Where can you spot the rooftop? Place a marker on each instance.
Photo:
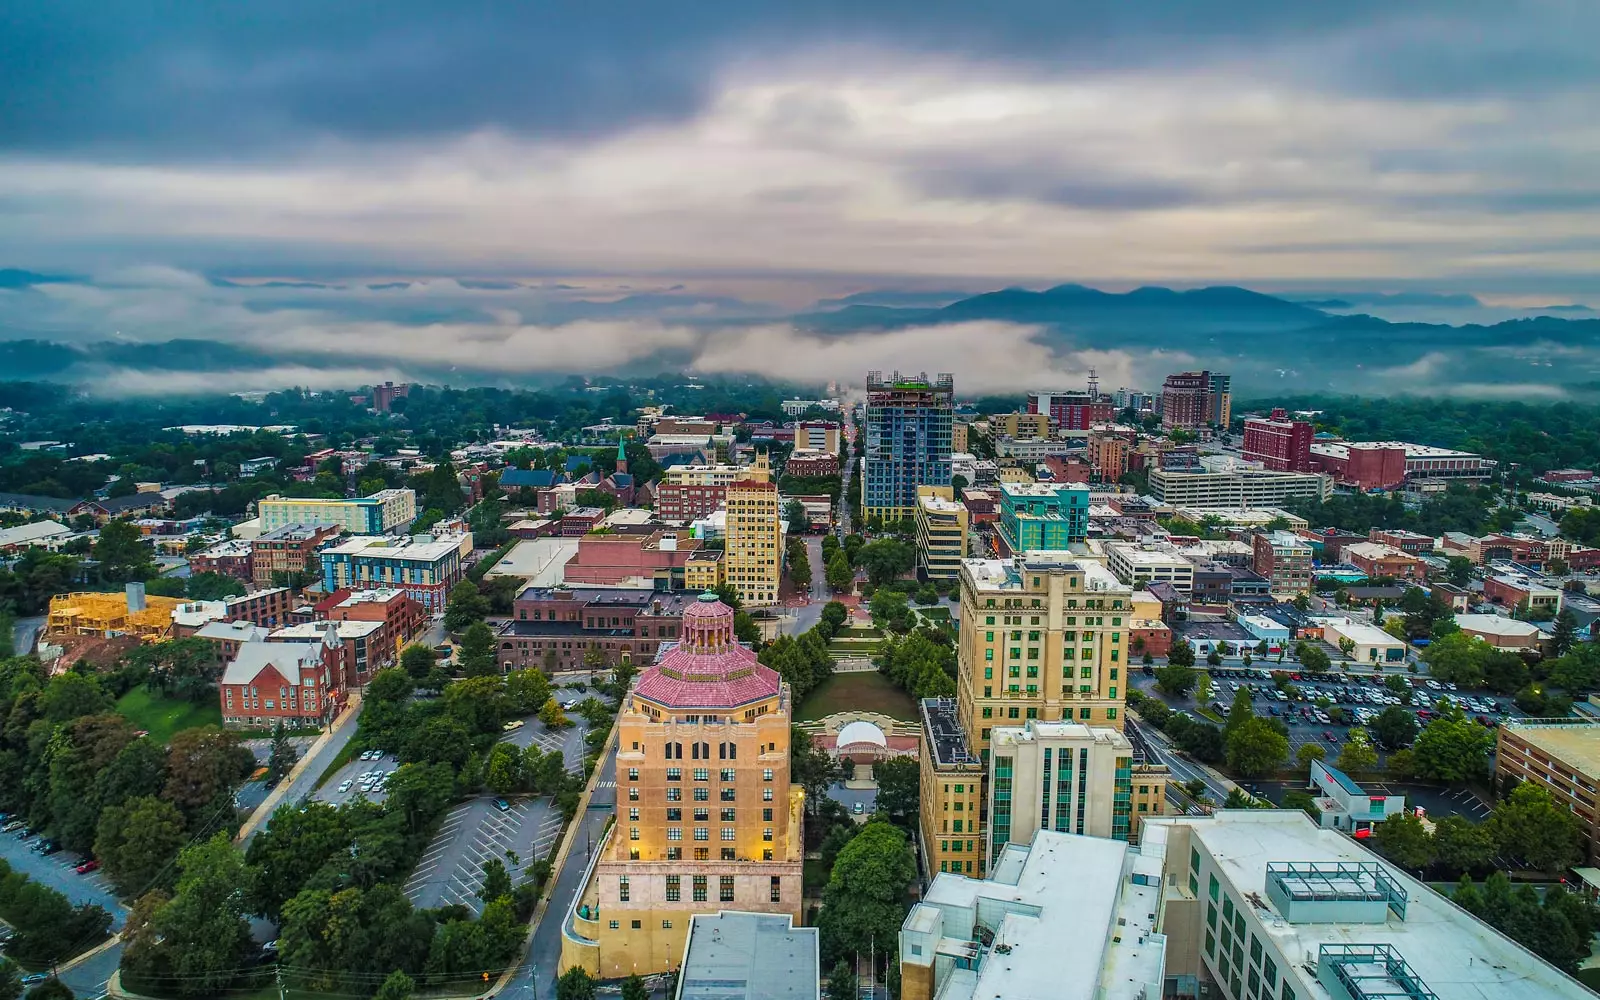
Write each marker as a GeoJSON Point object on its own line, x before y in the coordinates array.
{"type": "Point", "coordinates": [426, 548]}
{"type": "Point", "coordinates": [1043, 489]}
{"type": "Point", "coordinates": [1001, 574]}
{"type": "Point", "coordinates": [1574, 742]}
{"type": "Point", "coordinates": [293, 533]}
{"type": "Point", "coordinates": [945, 737]}
{"type": "Point", "coordinates": [1136, 554]}
{"type": "Point", "coordinates": [749, 956]}
{"type": "Point", "coordinates": [38, 531]}
{"type": "Point", "coordinates": [1496, 625]}
{"type": "Point", "coordinates": [309, 631]}
{"type": "Point", "coordinates": [1447, 949]}
{"type": "Point", "coordinates": [540, 561]}
{"type": "Point", "coordinates": [288, 657]}
{"type": "Point", "coordinates": [1341, 449]}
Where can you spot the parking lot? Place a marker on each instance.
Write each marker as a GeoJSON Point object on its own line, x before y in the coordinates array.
{"type": "Point", "coordinates": [56, 871]}
{"type": "Point", "coordinates": [1356, 695]}
{"type": "Point", "coordinates": [346, 784]}
{"type": "Point", "coordinates": [475, 831]}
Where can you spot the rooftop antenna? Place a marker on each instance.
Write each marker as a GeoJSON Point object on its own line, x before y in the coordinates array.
{"type": "Point", "coordinates": [1094, 385]}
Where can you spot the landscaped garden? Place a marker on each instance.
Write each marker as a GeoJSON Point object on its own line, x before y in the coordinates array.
{"type": "Point", "coordinates": [857, 691]}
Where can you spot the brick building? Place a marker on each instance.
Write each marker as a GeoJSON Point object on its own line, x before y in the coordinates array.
{"type": "Point", "coordinates": [366, 649]}
{"type": "Point", "coordinates": [1278, 443]}
{"type": "Point", "coordinates": [680, 503]}
{"type": "Point", "coordinates": [230, 558]}
{"type": "Point", "coordinates": [1385, 561]}
{"type": "Point", "coordinates": [1072, 411]}
{"type": "Point", "coordinates": [1410, 542]}
{"type": "Point", "coordinates": [812, 463]}
{"type": "Point", "coordinates": [1284, 559]}
{"type": "Point", "coordinates": [289, 549]}
{"type": "Point", "coordinates": [622, 555]}
{"type": "Point", "coordinates": [568, 621]}
{"type": "Point", "coordinates": [290, 681]}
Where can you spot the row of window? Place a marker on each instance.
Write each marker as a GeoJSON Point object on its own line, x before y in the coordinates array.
{"type": "Point", "coordinates": [700, 773]}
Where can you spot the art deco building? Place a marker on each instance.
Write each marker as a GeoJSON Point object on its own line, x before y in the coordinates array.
{"type": "Point", "coordinates": [706, 818]}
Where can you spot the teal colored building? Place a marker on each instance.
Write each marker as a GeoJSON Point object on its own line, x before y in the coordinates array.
{"type": "Point", "coordinates": [1043, 515]}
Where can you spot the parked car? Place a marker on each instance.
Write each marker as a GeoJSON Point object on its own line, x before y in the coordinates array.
{"type": "Point", "coordinates": [513, 725]}
{"type": "Point", "coordinates": [87, 867]}
{"type": "Point", "coordinates": [34, 977]}
{"type": "Point", "coordinates": [344, 786]}
{"type": "Point", "coordinates": [49, 847]}
{"type": "Point", "coordinates": [502, 805]}
{"type": "Point", "coordinates": [15, 824]}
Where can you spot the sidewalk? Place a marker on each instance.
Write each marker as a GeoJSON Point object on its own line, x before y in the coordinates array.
{"type": "Point", "coordinates": [300, 771]}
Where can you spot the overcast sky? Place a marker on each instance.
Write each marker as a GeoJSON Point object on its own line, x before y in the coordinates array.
{"type": "Point", "coordinates": [787, 150]}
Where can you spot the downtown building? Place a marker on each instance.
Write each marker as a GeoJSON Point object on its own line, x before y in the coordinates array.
{"type": "Point", "coordinates": [1041, 641]}
{"type": "Point", "coordinates": [1072, 411]}
{"type": "Point", "coordinates": [753, 548]}
{"type": "Point", "coordinates": [908, 441]}
{"type": "Point", "coordinates": [1278, 443]}
{"type": "Point", "coordinates": [706, 817]}
{"type": "Point", "coordinates": [382, 512]}
{"type": "Point", "coordinates": [1191, 400]}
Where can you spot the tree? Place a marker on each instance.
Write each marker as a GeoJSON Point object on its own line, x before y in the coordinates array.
{"type": "Point", "coordinates": [1452, 748]}
{"type": "Point", "coordinates": [1296, 798]}
{"type": "Point", "coordinates": [1459, 659]}
{"type": "Point", "coordinates": [1175, 679]}
{"type": "Point", "coordinates": [465, 606]}
{"type": "Point", "coordinates": [477, 651]}
{"type": "Point", "coordinates": [1395, 727]}
{"type": "Point", "coordinates": [842, 982]}
{"type": "Point", "coordinates": [398, 986]}
{"type": "Point", "coordinates": [810, 767]}
{"type": "Point", "coordinates": [50, 989]}
{"type": "Point", "coordinates": [552, 716]}
{"type": "Point", "coordinates": [835, 614]}
{"type": "Point", "coordinates": [863, 901]}
{"type": "Point", "coordinates": [1202, 689]}
{"type": "Point", "coordinates": [899, 788]}
{"type": "Point", "coordinates": [839, 573]}
{"type": "Point", "coordinates": [122, 553]}
{"type": "Point", "coordinates": [1307, 753]}
{"type": "Point", "coordinates": [1402, 839]}
{"type": "Point", "coordinates": [1255, 748]}
{"type": "Point", "coordinates": [1358, 754]}
{"type": "Point", "coordinates": [1528, 824]}
{"type": "Point", "coordinates": [283, 756]}
{"type": "Point", "coordinates": [575, 984]}
{"type": "Point", "coordinates": [10, 980]}
{"type": "Point", "coordinates": [886, 559]}
{"type": "Point", "coordinates": [417, 661]}
{"type": "Point", "coordinates": [1565, 634]}
{"type": "Point", "coordinates": [204, 930]}
{"type": "Point", "coordinates": [1181, 654]}
{"type": "Point", "coordinates": [496, 882]}
{"type": "Point", "coordinates": [1462, 845]}
{"type": "Point", "coordinates": [1240, 712]}
{"type": "Point", "coordinates": [1460, 570]}
{"type": "Point", "coordinates": [795, 514]}
{"type": "Point", "coordinates": [1313, 658]}
{"type": "Point", "coordinates": [204, 767]}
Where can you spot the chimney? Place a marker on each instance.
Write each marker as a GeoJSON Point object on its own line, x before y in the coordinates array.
{"type": "Point", "coordinates": [135, 597]}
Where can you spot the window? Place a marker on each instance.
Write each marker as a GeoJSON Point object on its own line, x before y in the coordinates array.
{"type": "Point", "coordinates": [666, 925]}
{"type": "Point", "coordinates": [1211, 887]}
{"type": "Point", "coordinates": [622, 888]}
{"type": "Point", "coordinates": [728, 794]}
{"type": "Point", "coordinates": [766, 795]}
{"type": "Point", "coordinates": [766, 775]}
{"type": "Point", "coordinates": [699, 888]}
{"type": "Point", "coordinates": [633, 774]}
{"type": "Point", "coordinates": [636, 924]}
{"type": "Point", "coordinates": [702, 774]}
{"type": "Point", "coordinates": [727, 833]}
{"type": "Point", "coordinates": [674, 795]}
{"type": "Point", "coordinates": [633, 815]}
{"type": "Point", "coordinates": [701, 833]}
{"type": "Point", "coordinates": [633, 794]}
{"type": "Point", "coordinates": [776, 893]}
{"type": "Point", "coordinates": [702, 815]}
{"type": "Point", "coordinates": [766, 835]}
{"type": "Point", "coordinates": [725, 888]}
{"type": "Point", "coordinates": [702, 795]}
{"type": "Point", "coordinates": [727, 774]}
{"type": "Point", "coordinates": [674, 774]}
{"type": "Point", "coordinates": [633, 833]}
{"type": "Point", "coordinates": [674, 815]}
{"type": "Point", "coordinates": [615, 925]}
{"type": "Point", "coordinates": [674, 833]}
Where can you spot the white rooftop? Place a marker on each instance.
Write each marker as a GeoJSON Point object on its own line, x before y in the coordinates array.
{"type": "Point", "coordinates": [1341, 449]}
{"type": "Point", "coordinates": [232, 631]}
{"type": "Point", "coordinates": [1136, 554]}
{"type": "Point", "coordinates": [939, 505]}
{"type": "Point", "coordinates": [39, 531]}
{"type": "Point", "coordinates": [1042, 489]}
{"type": "Point", "coordinates": [1374, 550]}
{"type": "Point", "coordinates": [287, 657]}
{"type": "Point", "coordinates": [423, 548]}
{"type": "Point", "coordinates": [540, 561]}
{"type": "Point", "coordinates": [308, 631]}
{"type": "Point", "coordinates": [382, 595]}
{"type": "Point", "coordinates": [1496, 625]}
{"type": "Point", "coordinates": [749, 956]}
{"type": "Point", "coordinates": [1455, 955]}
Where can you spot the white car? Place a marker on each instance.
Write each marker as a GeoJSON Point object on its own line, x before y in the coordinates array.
{"type": "Point", "coordinates": [344, 786]}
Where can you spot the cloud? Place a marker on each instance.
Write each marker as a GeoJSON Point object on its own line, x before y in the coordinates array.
{"type": "Point", "coordinates": [114, 382]}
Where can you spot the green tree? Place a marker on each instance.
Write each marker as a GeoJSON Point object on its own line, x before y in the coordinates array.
{"type": "Point", "coordinates": [1402, 839]}
{"type": "Point", "coordinates": [1452, 748]}
{"type": "Point", "coordinates": [809, 767]}
{"type": "Point", "coordinates": [1313, 658]}
{"type": "Point", "coordinates": [465, 606]}
{"type": "Point", "coordinates": [1181, 654]}
{"type": "Point", "coordinates": [1296, 798]}
{"type": "Point", "coordinates": [840, 574]}
{"type": "Point", "coordinates": [205, 766]}
{"type": "Point", "coordinates": [552, 716]}
{"type": "Point", "coordinates": [633, 988]}
{"type": "Point", "coordinates": [1240, 712]}
{"type": "Point", "coordinates": [1255, 748]}
{"type": "Point", "coordinates": [1358, 754]}
{"type": "Point", "coordinates": [283, 756]}
{"type": "Point", "coordinates": [1395, 727]}
{"type": "Point", "coordinates": [496, 882]}
{"type": "Point", "coordinates": [1175, 679]}
{"type": "Point", "coordinates": [1458, 658]}
{"type": "Point", "coordinates": [886, 559]}
{"type": "Point", "coordinates": [899, 788]}
{"type": "Point", "coordinates": [398, 986]}
{"type": "Point", "coordinates": [526, 691]}
{"type": "Point", "coordinates": [10, 980]}
{"type": "Point", "coordinates": [864, 900]}
{"type": "Point", "coordinates": [203, 927]}
{"type": "Point", "coordinates": [1309, 752]}
{"type": "Point", "coordinates": [136, 843]}
{"type": "Point", "coordinates": [842, 982]}
{"type": "Point", "coordinates": [1565, 634]}
{"type": "Point", "coordinates": [295, 844]}
{"type": "Point", "coordinates": [477, 651]}
{"type": "Point", "coordinates": [1528, 824]}
{"type": "Point", "coordinates": [122, 553]}
{"type": "Point", "coordinates": [50, 989]}
{"type": "Point", "coordinates": [575, 984]}
{"type": "Point", "coordinates": [504, 773]}
{"type": "Point", "coordinates": [1462, 845]}
{"type": "Point", "coordinates": [417, 660]}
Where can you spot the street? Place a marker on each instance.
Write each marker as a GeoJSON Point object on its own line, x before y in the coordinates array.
{"type": "Point", "coordinates": [303, 783]}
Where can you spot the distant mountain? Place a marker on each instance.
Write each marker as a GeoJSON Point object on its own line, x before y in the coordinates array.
{"type": "Point", "coordinates": [894, 298]}
{"type": "Point", "coordinates": [11, 277]}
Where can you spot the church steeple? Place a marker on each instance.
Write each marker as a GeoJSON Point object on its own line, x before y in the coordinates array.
{"type": "Point", "coordinates": [622, 455]}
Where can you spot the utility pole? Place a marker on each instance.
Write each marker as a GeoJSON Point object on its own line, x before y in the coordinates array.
{"type": "Point", "coordinates": [278, 975]}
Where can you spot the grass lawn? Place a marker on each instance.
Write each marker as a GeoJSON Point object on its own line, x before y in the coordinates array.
{"type": "Point", "coordinates": [936, 613]}
{"type": "Point", "coordinates": [864, 691]}
{"type": "Point", "coordinates": [164, 716]}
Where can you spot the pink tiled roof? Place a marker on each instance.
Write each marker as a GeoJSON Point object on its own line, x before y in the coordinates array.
{"type": "Point", "coordinates": [675, 692]}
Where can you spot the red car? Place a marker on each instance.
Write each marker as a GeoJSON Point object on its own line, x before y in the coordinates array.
{"type": "Point", "coordinates": [1327, 734]}
{"type": "Point", "coordinates": [87, 867]}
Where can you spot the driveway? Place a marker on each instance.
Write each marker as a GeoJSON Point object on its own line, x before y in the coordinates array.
{"type": "Point", "coordinates": [301, 787]}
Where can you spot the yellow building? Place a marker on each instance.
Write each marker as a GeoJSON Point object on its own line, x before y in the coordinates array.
{"type": "Point", "coordinates": [1015, 474]}
{"type": "Point", "coordinates": [1019, 425]}
{"type": "Point", "coordinates": [941, 532]}
{"type": "Point", "coordinates": [706, 817]}
{"type": "Point", "coordinates": [704, 570]}
{"type": "Point", "coordinates": [758, 471]}
{"type": "Point", "coordinates": [753, 551]}
{"type": "Point", "coordinates": [1041, 641]}
{"type": "Point", "coordinates": [383, 511]}
{"type": "Point", "coordinates": [133, 613]}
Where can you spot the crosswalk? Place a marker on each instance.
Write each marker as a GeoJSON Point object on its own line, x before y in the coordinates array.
{"type": "Point", "coordinates": [605, 784]}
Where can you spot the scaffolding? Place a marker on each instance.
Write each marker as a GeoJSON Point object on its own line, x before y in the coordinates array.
{"type": "Point", "coordinates": [97, 614]}
{"type": "Point", "coordinates": [1372, 972]}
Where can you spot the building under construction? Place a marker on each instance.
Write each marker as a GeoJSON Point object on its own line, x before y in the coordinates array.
{"type": "Point", "coordinates": [149, 619]}
{"type": "Point", "coordinates": [908, 440]}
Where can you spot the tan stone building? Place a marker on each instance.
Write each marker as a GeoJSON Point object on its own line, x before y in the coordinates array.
{"type": "Point", "coordinates": [1019, 425]}
{"type": "Point", "coordinates": [753, 553]}
{"type": "Point", "coordinates": [941, 532]}
{"type": "Point", "coordinates": [1563, 755]}
{"type": "Point", "coordinates": [706, 817]}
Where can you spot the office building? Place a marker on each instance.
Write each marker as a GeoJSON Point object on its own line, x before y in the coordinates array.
{"type": "Point", "coordinates": [706, 817]}
{"type": "Point", "coordinates": [753, 551]}
{"type": "Point", "coordinates": [1062, 917]}
{"type": "Point", "coordinates": [1562, 755]}
{"type": "Point", "coordinates": [383, 396]}
{"type": "Point", "coordinates": [816, 435]}
{"type": "Point", "coordinates": [1278, 443]}
{"type": "Point", "coordinates": [1141, 564]}
{"type": "Point", "coordinates": [1072, 411]}
{"type": "Point", "coordinates": [1043, 516]}
{"type": "Point", "coordinates": [704, 570]}
{"type": "Point", "coordinates": [288, 553]}
{"type": "Point", "coordinates": [292, 682]}
{"type": "Point", "coordinates": [941, 533]}
{"type": "Point", "coordinates": [1381, 561]}
{"type": "Point", "coordinates": [424, 566]}
{"type": "Point", "coordinates": [1108, 455]}
{"type": "Point", "coordinates": [1384, 465]}
{"type": "Point", "coordinates": [552, 628]}
{"type": "Point", "coordinates": [382, 512]}
{"type": "Point", "coordinates": [1226, 484]}
{"type": "Point", "coordinates": [952, 799]}
{"type": "Point", "coordinates": [1346, 806]}
{"type": "Point", "coordinates": [1191, 400]}
{"type": "Point", "coordinates": [731, 955]}
{"type": "Point", "coordinates": [1043, 776]}
{"type": "Point", "coordinates": [908, 441]}
{"type": "Point", "coordinates": [958, 436]}
{"type": "Point", "coordinates": [690, 492]}
{"type": "Point", "coordinates": [1263, 903]}
{"type": "Point", "coordinates": [1511, 589]}
{"type": "Point", "coordinates": [1284, 559]}
{"type": "Point", "coordinates": [811, 463]}
{"type": "Point", "coordinates": [1023, 426]}
{"type": "Point", "coordinates": [230, 558]}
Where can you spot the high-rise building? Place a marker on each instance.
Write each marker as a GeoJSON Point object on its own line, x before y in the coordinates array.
{"type": "Point", "coordinates": [1041, 641]}
{"type": "Point", "coordinates": [908, 427]}
{"type": "Point", "coordinates": [1108, 455]}
{"type": "Point", "coordinates": [1043, 516]}
{"type": "Point", "coordinates": [1284, 558]}
{"type": "Point", "coordinates": [383, 511]}
{"type": "Point", "coordinates": [706, 817]}
{"type": "Point", "coordinates": [1052, 776]}
{"type": "Point", "coordinates": [753, 559]}
{"type": "Point", "coordinates": [1278, 443]}
{"type": "Point", "coordinates": [1072, 411]}
{"type": "Point", "coordinates": [1194, 399]}
{"type": "Point", "coordinates": [941, 532]}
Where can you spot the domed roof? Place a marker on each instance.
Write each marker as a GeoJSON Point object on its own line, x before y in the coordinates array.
{"type": "Point", "coordinates": [708, 606]}
{"type": "Point", "coordinates": [861, 731]}
{"type": "Point", "coordinates": [708, 667]}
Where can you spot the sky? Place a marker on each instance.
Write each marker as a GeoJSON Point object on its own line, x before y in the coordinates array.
{"type": "Point", "coordinates": [786, 152]}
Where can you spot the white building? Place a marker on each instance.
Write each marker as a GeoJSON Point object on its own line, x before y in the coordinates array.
{"type": "Point", "coordinates": [1144, 563]}
{"type": "Point", "coordinates": [40, 534]}
{"type": "Point", "coordinates": [1236, 485]}
{"type": "Point", "coordinates": [1371, 644]}
{"type": "Point", "coordinates": [1345, 805]}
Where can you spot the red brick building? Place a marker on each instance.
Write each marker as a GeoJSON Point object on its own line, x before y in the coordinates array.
{"type": "Point", "coordinates": [1278, 443]}
{"type": "Point", "coordinates": [608, 559]}
{"type": "Point", "coordinates": [1381, 561]}
{"type": "Point", "coordinates": [812, 463]}
{"type": "Point", "coordinates": [289, 549]}
{"type": "Point", "coordinates": [402, 616]}
{"type": "Point", "coordinates": [981, 506]}
{"type": "Point", "coordinates": [1410, 542]}
{"type": "Point", "coordinates": [1149, 635]}
{"type": "Point", "coordinates": [230, 558]}
{"type": "Point", "coordinates": [579, 522]}
{"type": "Point", "coordinates": [290, 681]}
{"type": "Point", "coordinates": [1072, 411]}
{"type": "Point", "coordinates": [567, 622]}
{"type": "Point", "coordinates": [266, 608]}
{"type": "Point", "coordinates": [1366, 467]}
{"type": "Point", "coordinates": [367, 647]}
{"type": "Point", "coordinates": [1187, 401]}
{"type": "Point", "coordinates": [682, 503]}
{"type": "Point", "coordinates": [1068, 468]}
